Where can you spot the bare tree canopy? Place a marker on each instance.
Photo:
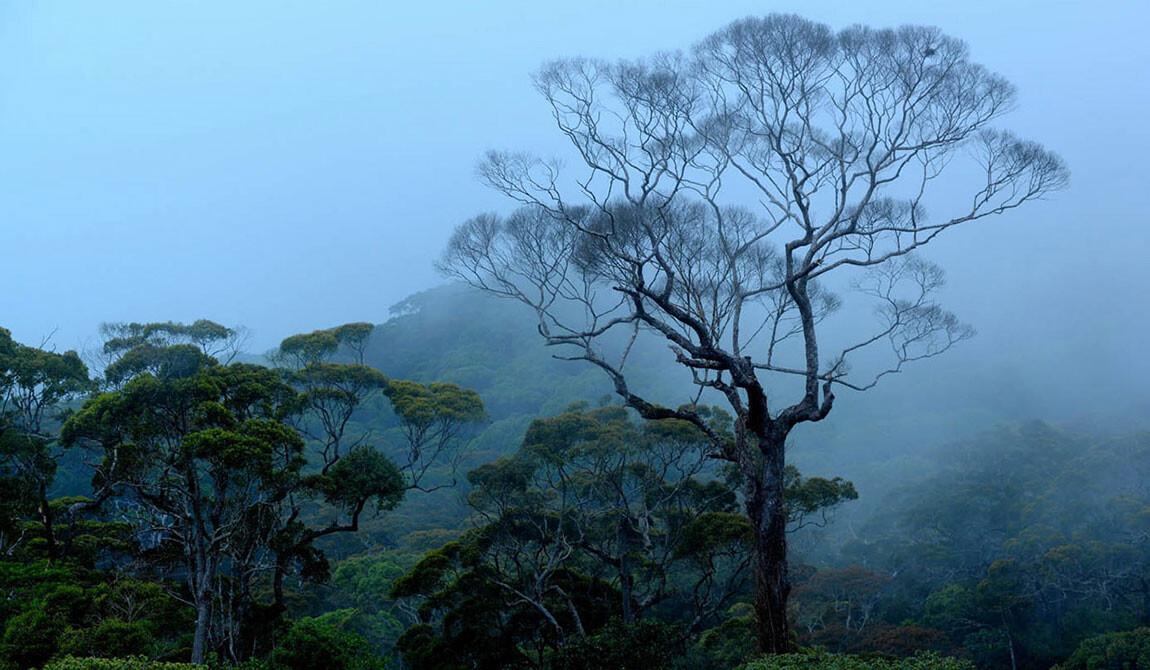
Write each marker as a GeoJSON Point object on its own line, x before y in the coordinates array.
{"type": "Point", "coordinates": [716, 188]}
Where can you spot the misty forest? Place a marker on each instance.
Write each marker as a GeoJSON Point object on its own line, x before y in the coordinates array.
{"type": "Point", "coordinates": [661, 374]}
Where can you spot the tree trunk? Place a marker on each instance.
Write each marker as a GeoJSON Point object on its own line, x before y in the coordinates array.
{"type": "Point", "coordinates": [278, 581]}
{"type": "Point", "coordinates": [47, 521]}
{"type": "Point", "coordinates": [626, 579]}
{"type": "Point", "coordinates": [767, 513]}
{"type": "Point", "coordinates": [203, 617]}
{"type": "Point", "coordinates": [201, 578]}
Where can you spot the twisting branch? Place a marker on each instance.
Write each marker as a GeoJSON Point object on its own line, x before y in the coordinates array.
{"type": "Point", "coordinates": [838, 137]}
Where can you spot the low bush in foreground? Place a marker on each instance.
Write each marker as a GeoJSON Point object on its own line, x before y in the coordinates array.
{"type": "Point", "coordinates": [73, 663]}
{"type": "Point", "coordinates": [816, 660]}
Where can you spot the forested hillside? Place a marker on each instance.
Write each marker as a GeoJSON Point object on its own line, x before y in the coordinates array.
{"type": "Point", "coordinates": [553, 526]}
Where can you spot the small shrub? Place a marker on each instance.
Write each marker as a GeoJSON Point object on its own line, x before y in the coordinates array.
{"type": "Point", "coordinates": [31, 638]}
{"type": "Point", "coordinates": [318, 644]}
{"type": "Point", "coordinates": [817, 660]}
{"type": "Point", "coordinates": [642, 645]}
{"type": "Point", "coordinates": [111, 638]}
{"type": "Point", "coordinates": [73, 663]}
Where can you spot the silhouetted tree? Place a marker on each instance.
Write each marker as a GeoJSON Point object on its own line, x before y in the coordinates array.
{"type": "Point", "coordinates": [839, 137]}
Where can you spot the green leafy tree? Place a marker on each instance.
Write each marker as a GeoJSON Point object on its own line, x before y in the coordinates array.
{"type": "Point", "coordinates": [198, 455]}
{"type": "Point", "coordinates": [211, 464]}
{"type": "Point", "coordinates": [130, 349]}
{"type": "Point", "coordinates": [323, 644]}
{"type": "Point", "coordinates": [638, 645]}
{"type": "Point", "coordinates": [1112, 651]}
{"type": "Point", "coordinates": [61, 608]}
{"type": "Point", "coordinates": [353, 476]}
{"type": "Point", "coordinates": [34, 383]}
{"type": "Point", "coordinates": [596, 518]}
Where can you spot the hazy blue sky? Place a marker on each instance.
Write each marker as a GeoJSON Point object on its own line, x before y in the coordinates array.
{"type": "Point", "coordinates": [292, 165]}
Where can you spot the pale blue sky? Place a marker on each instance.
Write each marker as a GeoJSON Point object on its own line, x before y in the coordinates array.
{"type": "Point", "coordinates": [292, 165]}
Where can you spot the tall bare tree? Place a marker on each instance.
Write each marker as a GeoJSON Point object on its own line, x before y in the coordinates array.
{"type": "Point", "coordinates": [837, 139]}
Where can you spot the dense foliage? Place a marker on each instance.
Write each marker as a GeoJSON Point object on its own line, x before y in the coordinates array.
{"type": "Point", "coordinates": [351, 528]}
{"type": "Point", "coordinates": [211, 485]}
{"type": "Point", "coordinates": [824, 661]}
{"type": "Point", "coordinates": [1026, 542]}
